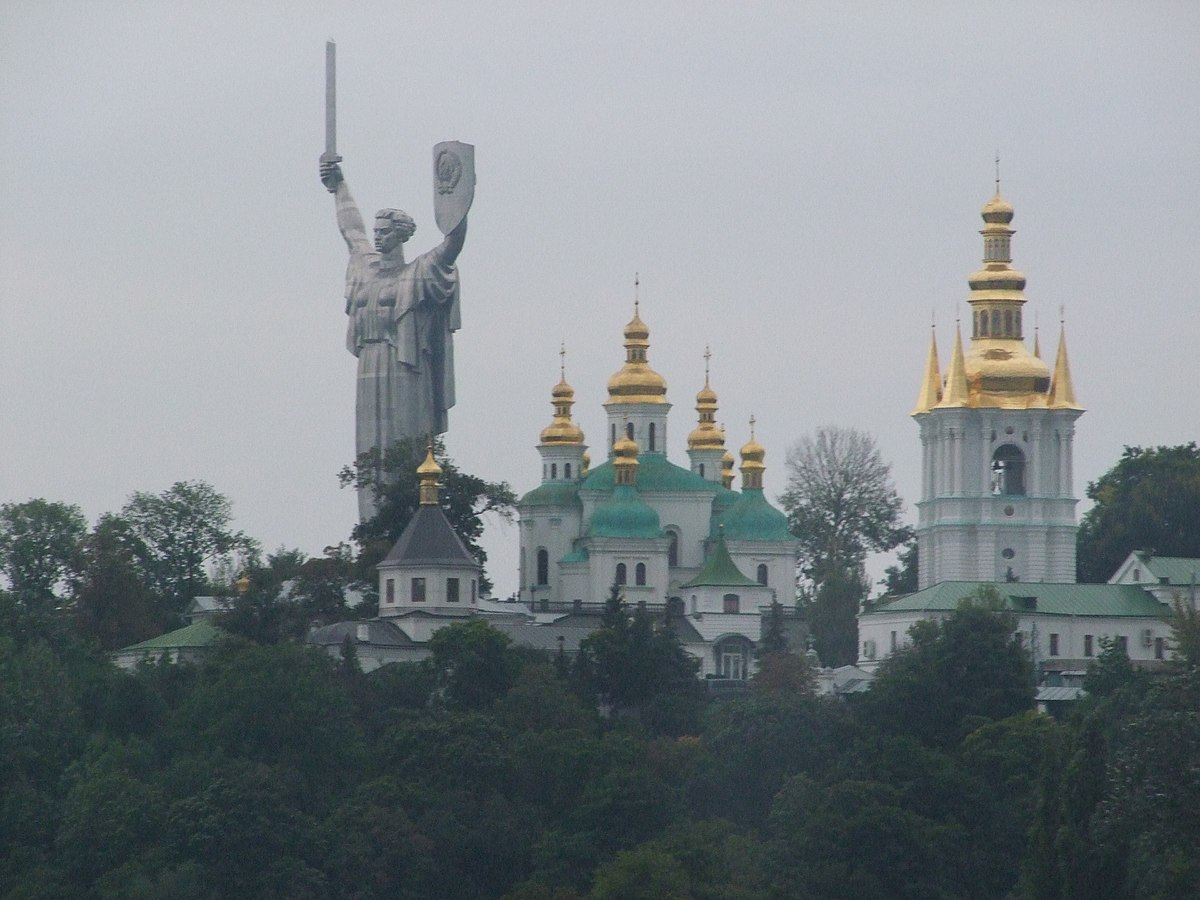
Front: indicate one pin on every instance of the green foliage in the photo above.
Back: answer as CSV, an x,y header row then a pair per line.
x,y
180,531
109,587
1150,500
841,505
903,578
465,498
472,662
1110,670
955,675
37,540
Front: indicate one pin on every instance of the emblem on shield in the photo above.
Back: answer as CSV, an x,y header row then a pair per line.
x,y
453,183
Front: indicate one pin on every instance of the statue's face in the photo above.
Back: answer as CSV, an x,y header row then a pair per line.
x,y
387,235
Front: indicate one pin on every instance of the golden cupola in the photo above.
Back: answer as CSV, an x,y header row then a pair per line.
x,y
1000,371
625,461
562,430
429,473
636,382
753,453
706,435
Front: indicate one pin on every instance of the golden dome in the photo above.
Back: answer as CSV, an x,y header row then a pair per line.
x,y
997,210
706,435
636,382
625,461
563,391
429,472
562,430
429,466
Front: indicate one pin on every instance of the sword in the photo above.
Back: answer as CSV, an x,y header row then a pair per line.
x,y
330,155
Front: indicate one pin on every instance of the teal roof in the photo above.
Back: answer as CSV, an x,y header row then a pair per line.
x,y
724,500
198,634
577,555
720,571
1178,570
552,493
752,518
1050,599
654,473
625,515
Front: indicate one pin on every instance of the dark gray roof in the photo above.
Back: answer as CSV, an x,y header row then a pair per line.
x,y
427,540
545,637
379,632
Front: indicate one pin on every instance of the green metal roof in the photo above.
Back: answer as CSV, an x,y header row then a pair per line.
x,y
1049,599
552,493
198,634
752,518
1178,570
655,473
720,571
625,515
578,555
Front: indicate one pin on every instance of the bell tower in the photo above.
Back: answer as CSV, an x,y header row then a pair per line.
x,y
997,435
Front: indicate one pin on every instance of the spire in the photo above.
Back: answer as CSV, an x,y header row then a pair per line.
x,y
752,462
931,384
428,474
706,435
625,460
1037,339
1062,391
956,393
636,382
562,430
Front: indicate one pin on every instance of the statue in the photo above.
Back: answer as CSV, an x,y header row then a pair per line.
x,y
402,314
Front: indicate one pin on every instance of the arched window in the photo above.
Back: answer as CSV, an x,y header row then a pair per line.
x,y
732,658
995,323
543,566
1008,323
553,471
700,472
1008,470
762,573
639,575
651,437
731,603
629,430
614,435
567,471
983,320
673,550
621,578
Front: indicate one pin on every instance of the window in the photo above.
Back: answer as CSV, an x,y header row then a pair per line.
x,y
553,471
1159,649
732,603
639,574
1017,321
700,470
391,591
651,437
1008,471
629,430
1123,644
451,590
614,435
673,550
1054,645
543,566
1088,650
567,471
762,573
621,577
418,590
1008,323
473,590
732,655
983,320
995,323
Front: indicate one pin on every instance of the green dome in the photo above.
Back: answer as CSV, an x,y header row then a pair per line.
x,y
655,473
553,493
752,518
625,515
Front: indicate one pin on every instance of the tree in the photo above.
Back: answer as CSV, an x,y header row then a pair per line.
x,y
474,664
109,588
179,532
902,578
955,675
841,505
1150,500
37,540
464,498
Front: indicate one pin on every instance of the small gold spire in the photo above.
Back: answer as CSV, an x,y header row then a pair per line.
x,y
727,461
955,393
753,454
428,473
931,384
636,382
625,460
706,435
562,430
243,584
1062,391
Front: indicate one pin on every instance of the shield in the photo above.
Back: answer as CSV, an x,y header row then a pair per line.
x,y
453,183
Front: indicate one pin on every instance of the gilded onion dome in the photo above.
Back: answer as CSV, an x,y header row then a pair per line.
x,y
428,474
727,461
706,435
625,460
753,454
562,430
636,382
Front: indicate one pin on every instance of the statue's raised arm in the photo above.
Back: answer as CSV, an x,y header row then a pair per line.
x,y
349,219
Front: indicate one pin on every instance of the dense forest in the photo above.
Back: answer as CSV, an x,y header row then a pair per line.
x,y
273,770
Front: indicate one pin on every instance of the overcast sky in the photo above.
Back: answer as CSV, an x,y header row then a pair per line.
x,y
798,185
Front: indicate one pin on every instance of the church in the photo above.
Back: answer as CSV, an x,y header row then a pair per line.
x,y
997,505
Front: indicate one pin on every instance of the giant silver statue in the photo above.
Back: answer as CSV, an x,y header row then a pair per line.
x,y
402,313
